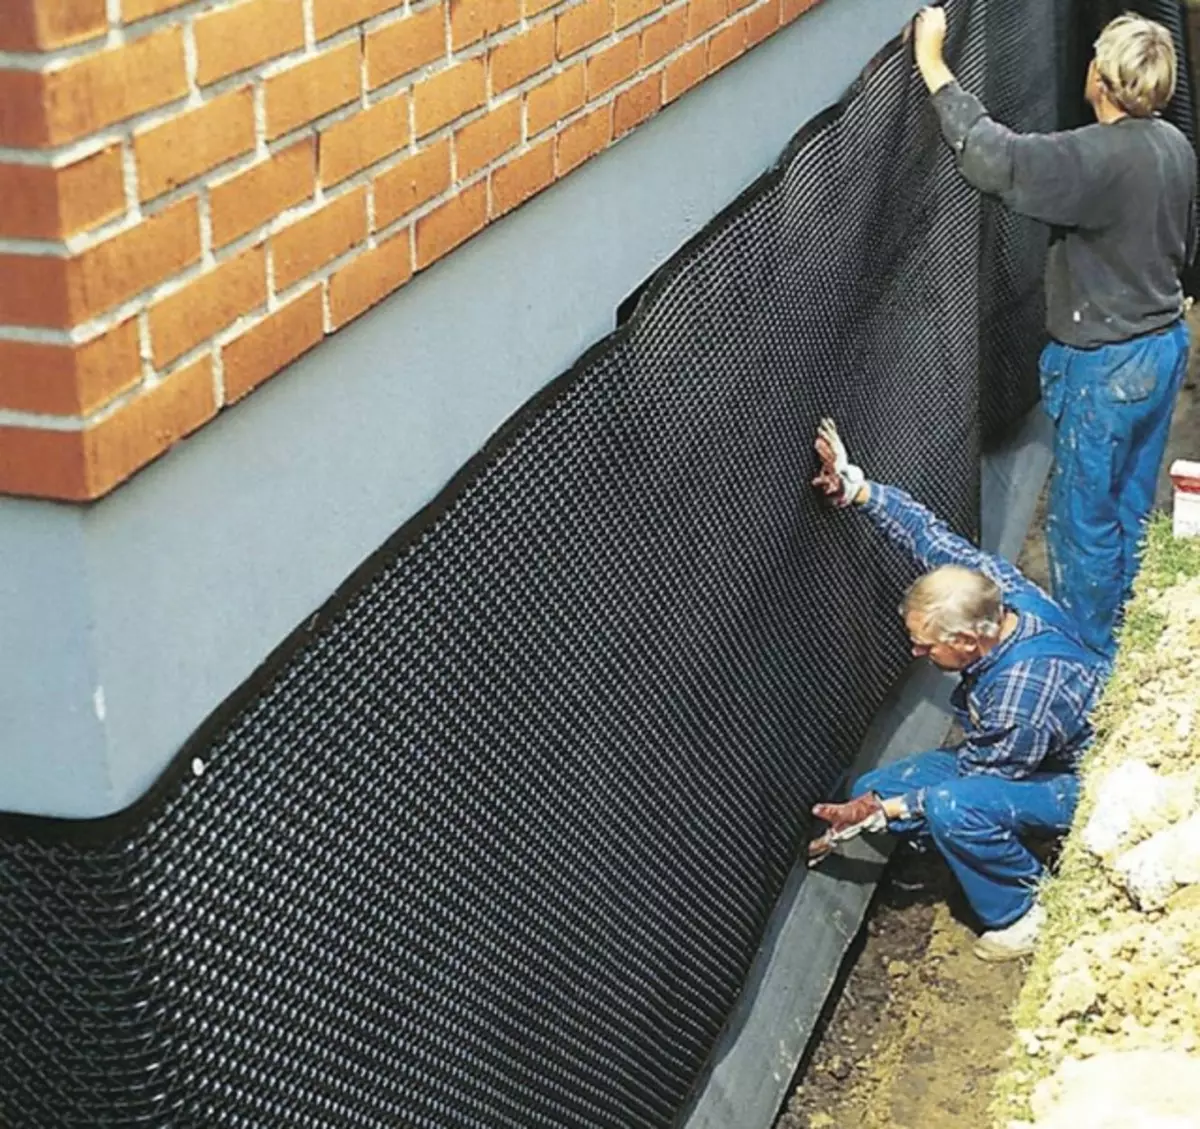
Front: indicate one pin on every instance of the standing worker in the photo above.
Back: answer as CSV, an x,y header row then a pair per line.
x,y
1124,190
1027,686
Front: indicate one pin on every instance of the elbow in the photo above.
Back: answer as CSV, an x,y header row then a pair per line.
x,y
985,158
985,169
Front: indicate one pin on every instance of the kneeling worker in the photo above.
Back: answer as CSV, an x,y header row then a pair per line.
x,y
1027,687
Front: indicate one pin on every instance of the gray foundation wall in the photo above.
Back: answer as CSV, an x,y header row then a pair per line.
x,y
123,624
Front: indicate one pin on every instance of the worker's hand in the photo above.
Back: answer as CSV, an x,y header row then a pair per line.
x,y
839,480
846,821
929,45
929,36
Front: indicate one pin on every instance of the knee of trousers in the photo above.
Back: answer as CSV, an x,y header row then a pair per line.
x,y
951,810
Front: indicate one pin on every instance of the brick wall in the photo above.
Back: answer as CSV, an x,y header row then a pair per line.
x,y
193,193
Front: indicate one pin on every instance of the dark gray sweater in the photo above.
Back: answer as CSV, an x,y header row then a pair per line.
x,y
1124,192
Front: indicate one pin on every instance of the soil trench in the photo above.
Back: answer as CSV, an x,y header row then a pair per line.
x,y
917,1033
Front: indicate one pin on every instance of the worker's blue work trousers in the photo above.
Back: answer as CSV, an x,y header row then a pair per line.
x,y
1111,409
977,823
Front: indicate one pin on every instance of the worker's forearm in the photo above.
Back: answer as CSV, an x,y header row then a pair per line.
x,y
936,74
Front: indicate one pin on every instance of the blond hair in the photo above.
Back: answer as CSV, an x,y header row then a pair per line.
x,y
1135,61
953,600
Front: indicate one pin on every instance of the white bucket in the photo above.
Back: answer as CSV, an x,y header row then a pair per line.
x,y
1185,476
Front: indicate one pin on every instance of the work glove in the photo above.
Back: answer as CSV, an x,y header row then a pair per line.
x,y
846,821
840,480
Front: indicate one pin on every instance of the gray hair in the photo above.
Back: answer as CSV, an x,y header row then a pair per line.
x,y
953,600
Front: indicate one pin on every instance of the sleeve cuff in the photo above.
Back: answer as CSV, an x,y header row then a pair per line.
x,y
876,502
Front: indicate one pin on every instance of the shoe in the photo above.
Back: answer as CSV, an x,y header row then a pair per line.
x,y
1013,942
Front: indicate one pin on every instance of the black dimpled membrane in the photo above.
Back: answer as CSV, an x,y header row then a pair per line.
x,y
493,840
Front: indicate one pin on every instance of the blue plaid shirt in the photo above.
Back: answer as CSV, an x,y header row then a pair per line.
x,y
1029,714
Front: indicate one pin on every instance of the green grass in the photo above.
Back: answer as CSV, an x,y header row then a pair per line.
x,y
1079,895
1167,561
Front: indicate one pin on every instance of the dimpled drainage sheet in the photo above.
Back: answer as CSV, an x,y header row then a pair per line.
x,y
493,840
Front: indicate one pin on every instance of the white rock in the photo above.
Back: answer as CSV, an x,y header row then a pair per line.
x,y
1122,1090
1071,995
1126,799
1153,870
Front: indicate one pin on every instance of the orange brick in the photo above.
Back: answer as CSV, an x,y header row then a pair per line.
x,y
471,20
232,39
665,35
446,96
517,59
331,16
194,142
761,23
793,9
611,66
33,25
313,88
23,120
481,142
208,304
555,100
366,138
274,342
148,426
583,139
43,464
55,292
629,10
452,224
523,177
34,290
405,45
683,73
705,14
635,105
125,265
107,366
531,8
133,10
726,45
42,108
256,196
411,183
69,380
583,25
370,278
46,203
83,465
310,243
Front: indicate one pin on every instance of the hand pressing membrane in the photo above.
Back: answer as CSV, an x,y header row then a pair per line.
x,y
839,480
929,48
929,34
846,821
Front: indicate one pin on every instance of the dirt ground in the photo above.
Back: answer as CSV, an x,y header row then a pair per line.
x,y
918,1033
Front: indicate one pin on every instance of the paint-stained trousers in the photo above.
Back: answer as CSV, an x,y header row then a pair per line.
x,y
1111,408
977,823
